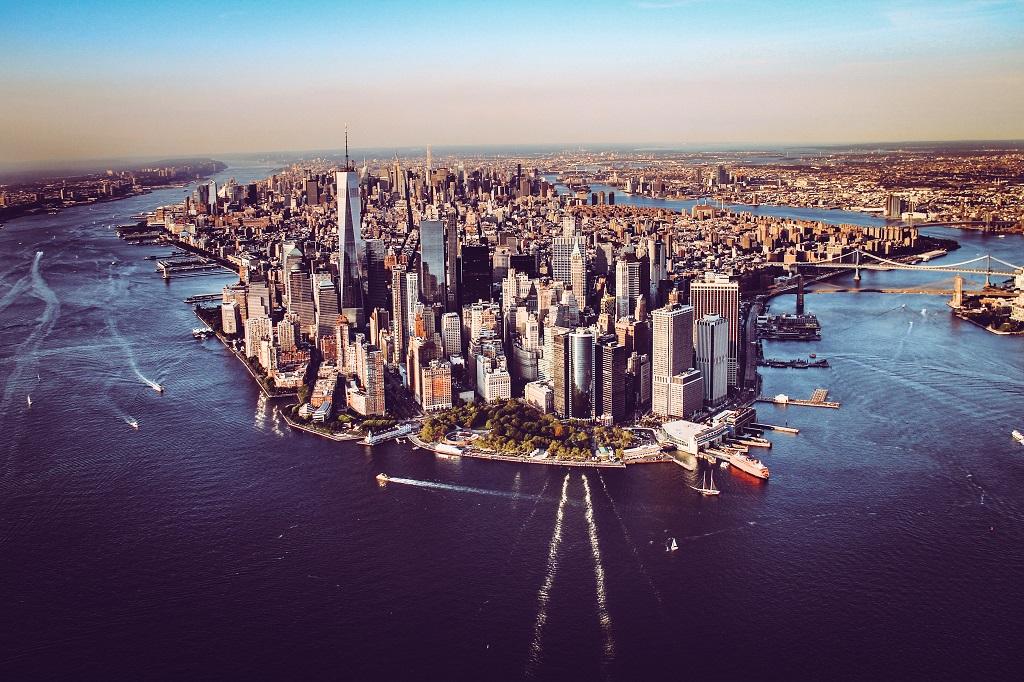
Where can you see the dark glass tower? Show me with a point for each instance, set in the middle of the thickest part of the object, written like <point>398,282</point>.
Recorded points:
<point>376,275</point>
<point>433,285</point>
<point>475,282</point>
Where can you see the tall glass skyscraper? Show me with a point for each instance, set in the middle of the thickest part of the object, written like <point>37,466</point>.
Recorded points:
<point>475,284</point>
<point>376,275</point>
<point>352,256</point>
<point>433,284</point>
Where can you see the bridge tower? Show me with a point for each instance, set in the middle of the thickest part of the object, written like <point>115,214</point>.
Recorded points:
<point>856,261</point>
<point>988,272</point>
<point>957,301</point>
<point>799,294</point>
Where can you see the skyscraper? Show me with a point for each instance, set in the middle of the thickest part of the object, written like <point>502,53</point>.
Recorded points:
<point>610,390</point>
<point>325,297</point>
<point>627,286</point>
<point>475,282</point>
<point>376,275</point>
<point>578,275</point>
<point>574,368</point>
<point>673,354</point>
<point>451,334</point>
<point>351,263</point>
<point>561,257</point>
<point>433,282</point>
<point>713,357</point>
<point>716,295</point>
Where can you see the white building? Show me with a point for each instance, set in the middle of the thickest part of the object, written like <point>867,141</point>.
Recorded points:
<point>713,357</point>
<point>716,295</point>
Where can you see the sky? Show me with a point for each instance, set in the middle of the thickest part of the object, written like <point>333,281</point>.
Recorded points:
<point>109,79</point>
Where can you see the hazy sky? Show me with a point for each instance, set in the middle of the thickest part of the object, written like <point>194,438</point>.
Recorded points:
<point>101,79</point>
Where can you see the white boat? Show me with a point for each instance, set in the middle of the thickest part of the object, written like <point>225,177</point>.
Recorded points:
<point>723,465</point>
<point>29,399</point>
<point>132,422</point>
<point>1018,436</point>
<point>158,388</point>
<point>383,479</point>
<point>671,545</point>
<point>706,489</point>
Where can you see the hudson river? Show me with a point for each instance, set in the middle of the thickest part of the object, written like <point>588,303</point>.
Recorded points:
<point>214,542</point>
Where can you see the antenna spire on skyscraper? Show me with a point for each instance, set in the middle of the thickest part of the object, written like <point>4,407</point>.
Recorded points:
<point>348,166</point>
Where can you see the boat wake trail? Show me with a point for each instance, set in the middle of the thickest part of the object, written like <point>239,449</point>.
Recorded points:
<point>16,290</point>
<point>26,353</point>
<point>434,485</point>
<point>544,594</point>
<point>130,354</point>
<point>602,595</point>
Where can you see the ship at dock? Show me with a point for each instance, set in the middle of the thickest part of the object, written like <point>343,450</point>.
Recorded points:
<point>752,466</point>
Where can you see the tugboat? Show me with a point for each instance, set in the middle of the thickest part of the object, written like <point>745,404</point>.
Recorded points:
<point>382,479</point>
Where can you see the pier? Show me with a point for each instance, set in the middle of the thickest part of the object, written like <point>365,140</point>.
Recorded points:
<point>187,266</point>
<point>817,399</point>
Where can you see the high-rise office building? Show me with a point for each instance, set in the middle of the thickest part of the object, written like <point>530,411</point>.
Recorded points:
<point>452,261</point>
<point>475,280</point>
<point>433,281</point>
<point>301,301</point>
<point>350,246</point>
<point>376,275</point>
<point>673,354</point>
<point>578,275</point>
<point>627,286</point>
<point>716,295</point>
<point>610,375</point>
<point>451,334</point>
<point>574,367</point>
<point>325,298</point>
<point>713,357</point>
<point>561,257</point>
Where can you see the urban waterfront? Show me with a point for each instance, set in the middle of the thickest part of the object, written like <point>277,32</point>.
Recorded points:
<point>888,542</point>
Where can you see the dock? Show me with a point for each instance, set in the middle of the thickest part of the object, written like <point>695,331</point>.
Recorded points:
<point>773,427</point>
<point>817,399</point>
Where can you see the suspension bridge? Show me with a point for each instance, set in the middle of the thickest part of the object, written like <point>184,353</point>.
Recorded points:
<point>985,265</point>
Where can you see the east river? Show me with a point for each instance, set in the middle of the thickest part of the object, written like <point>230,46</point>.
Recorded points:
<point>214,542</point>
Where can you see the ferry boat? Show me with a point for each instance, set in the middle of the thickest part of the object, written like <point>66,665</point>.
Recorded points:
<point>376,438</point>
<point>201,332</point>
<point>752,466</point>
<point>1018,436</point>
<point>383,479</point>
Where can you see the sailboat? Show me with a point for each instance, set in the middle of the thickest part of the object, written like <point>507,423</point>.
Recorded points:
<point>704,488</point>
<point>671,545</point>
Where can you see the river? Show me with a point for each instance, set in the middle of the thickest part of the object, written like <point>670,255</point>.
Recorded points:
<point>214,542</point>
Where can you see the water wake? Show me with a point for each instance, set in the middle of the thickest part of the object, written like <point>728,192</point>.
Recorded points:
<point>130,355</point>
<point>544,594</point>
<point>602,595</point>
<point>26,352</point>
<point>434,485</point>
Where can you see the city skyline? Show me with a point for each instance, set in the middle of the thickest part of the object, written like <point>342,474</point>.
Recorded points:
<point>191,79</point>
